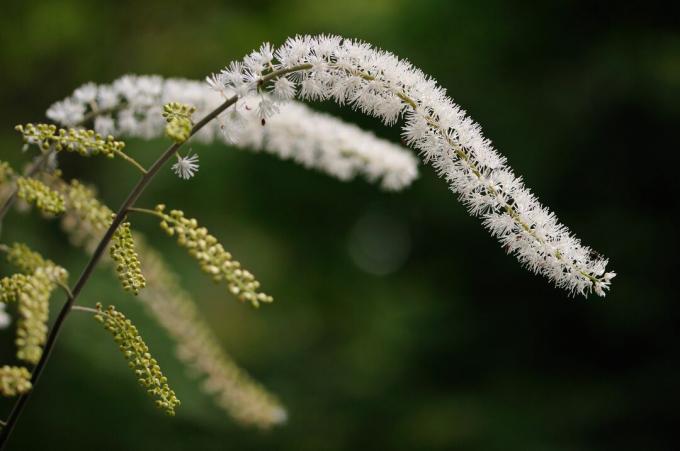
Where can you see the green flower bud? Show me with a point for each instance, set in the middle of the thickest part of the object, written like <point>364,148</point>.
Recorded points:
<point>179,123</point>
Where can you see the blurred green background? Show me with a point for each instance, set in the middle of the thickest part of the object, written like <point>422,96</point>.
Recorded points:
<point>452,345</point>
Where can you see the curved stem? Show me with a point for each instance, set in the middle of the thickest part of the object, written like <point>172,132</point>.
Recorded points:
<point>82,308</point>
<point>146,211</point>
<point>277,73</point>
<point>92,263</point>
<point>130,160</point>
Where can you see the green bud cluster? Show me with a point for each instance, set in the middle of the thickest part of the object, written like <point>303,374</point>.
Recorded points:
<point>136,352</point>
<point>198,347</point>
<point>14,380</point>
<point>178,118</point>
<point>211,256</point>
<point>82,201</point>
<point>85,142</point>
<point>6,171</point>
<point>36,192</point>
<point>125,256</point>
<point>32,292</point>
<point>88,214</point>
<point>28,261</point>
<point>11,286</point>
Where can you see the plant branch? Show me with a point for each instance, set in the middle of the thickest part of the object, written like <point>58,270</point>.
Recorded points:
<point>82,308</point>
<point>92,263</point>
<point>130,160</point>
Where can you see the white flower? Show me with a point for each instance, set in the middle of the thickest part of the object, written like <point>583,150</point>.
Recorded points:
<point>283,89</point>
<point>186,167</point>
<point>377,83</point>
<point>86,93</point>
<point>105,125</point>
<point>314,140</point>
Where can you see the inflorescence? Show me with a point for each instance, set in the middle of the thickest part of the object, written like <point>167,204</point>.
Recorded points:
<point>211,256</point>
<point>125,257</point>
<point>136,352</point>
<point>131,105</point>
<point>197,346</point>
<point>32,289</point>
<point>32,293</point>
<point>379,84</point>
<point>178,118</point>
<point>85,142</point>
<point>35,192</point>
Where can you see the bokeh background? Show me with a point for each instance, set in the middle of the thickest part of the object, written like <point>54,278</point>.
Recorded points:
<point>398,322</point>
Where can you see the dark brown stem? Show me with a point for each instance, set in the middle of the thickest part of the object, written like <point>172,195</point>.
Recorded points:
<point>92,263</point>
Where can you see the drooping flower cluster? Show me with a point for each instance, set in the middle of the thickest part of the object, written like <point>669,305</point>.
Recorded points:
<point>178,118</point>
<point>197,346</point>
<point>85,142</point>
<point>90,218</point>
<point>14,380</point>
<point>136,352</point>
<point>32,293</point>
<point>125,257</point>
<point>211,256</point>
<point>35,192</point>
<point>31,289</point>
<point>381,85</point>
<point>132,106</point>
<point>91,215</point>
<point>28,261</point>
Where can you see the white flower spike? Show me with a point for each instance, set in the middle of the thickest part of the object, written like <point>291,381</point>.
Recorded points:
<point>381,85</point>
<point>315,140</point>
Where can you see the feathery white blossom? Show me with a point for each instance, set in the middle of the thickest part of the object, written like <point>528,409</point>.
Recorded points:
<point>186,167</point>
<point>381,85</point>
<point>132,106</point>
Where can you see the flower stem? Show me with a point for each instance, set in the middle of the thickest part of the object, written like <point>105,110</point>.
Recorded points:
<point>82,308</point>
<point>130,160</point>
<point>92,263</point>
<point>146,211</point>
